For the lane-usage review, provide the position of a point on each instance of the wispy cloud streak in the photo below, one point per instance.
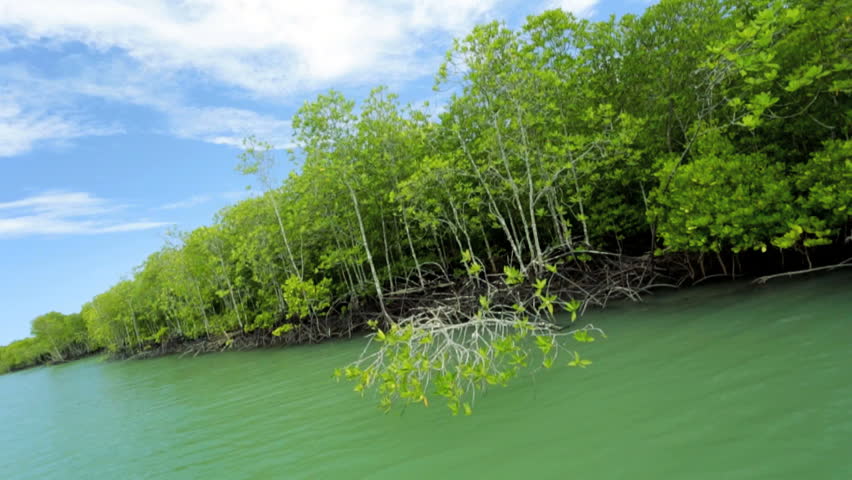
(190, 202)
(21, 127)
(66, 213)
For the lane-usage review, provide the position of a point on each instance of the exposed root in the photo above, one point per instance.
(766, 278)
(596, 279)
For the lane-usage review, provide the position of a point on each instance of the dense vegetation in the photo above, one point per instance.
(700, 131)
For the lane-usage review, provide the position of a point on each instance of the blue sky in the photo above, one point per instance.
(120, 119)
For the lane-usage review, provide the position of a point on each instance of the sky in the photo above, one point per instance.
(122, 120)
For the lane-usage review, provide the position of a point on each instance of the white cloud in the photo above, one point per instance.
(263, 46)
(22, 127)
(581, 8)
(55, 213)
(238, 195)
(149, 53)
(227, 126)
(190, 202)
(116, 82)
(195, 200)
(129, 227)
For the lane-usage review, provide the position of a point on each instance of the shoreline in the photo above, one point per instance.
(258, 340)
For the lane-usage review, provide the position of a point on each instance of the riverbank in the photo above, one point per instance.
(599, 290)
(595, 281)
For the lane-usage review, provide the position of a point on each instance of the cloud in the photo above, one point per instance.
(68, 213)
(227, 126)
(164, 55)
(262, 46)
(238, 195)
(190, 202)
(195, 200)
(22, 127)
(581, 8)
(116, 82)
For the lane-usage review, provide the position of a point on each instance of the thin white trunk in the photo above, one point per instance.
(376, 283)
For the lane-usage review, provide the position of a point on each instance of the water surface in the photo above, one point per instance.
(726, 381)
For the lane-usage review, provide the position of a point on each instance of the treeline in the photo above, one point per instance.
(55, 338)
(704, 129)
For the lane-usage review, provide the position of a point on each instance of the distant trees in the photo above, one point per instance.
(55, 338)
(65, 335)
(22, 354)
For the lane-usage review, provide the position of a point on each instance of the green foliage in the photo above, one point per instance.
(416, 364)
(22, 354)
(158, 336)
(579, 362)
(824, 199)
(287, 327)
(56, 338)
(723, 200)
(473, 267)
(573, 307)
(305, 297)
(513, 276)
(708, 126)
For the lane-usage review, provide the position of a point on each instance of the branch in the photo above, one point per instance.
(764, 279)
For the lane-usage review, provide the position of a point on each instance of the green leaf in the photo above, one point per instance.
(287, 327)
(483, 302)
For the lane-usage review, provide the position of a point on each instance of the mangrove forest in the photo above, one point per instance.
(569, 163)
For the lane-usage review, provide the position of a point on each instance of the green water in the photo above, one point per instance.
(726, 381)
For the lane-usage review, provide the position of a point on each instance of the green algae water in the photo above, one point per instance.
(728, 381)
